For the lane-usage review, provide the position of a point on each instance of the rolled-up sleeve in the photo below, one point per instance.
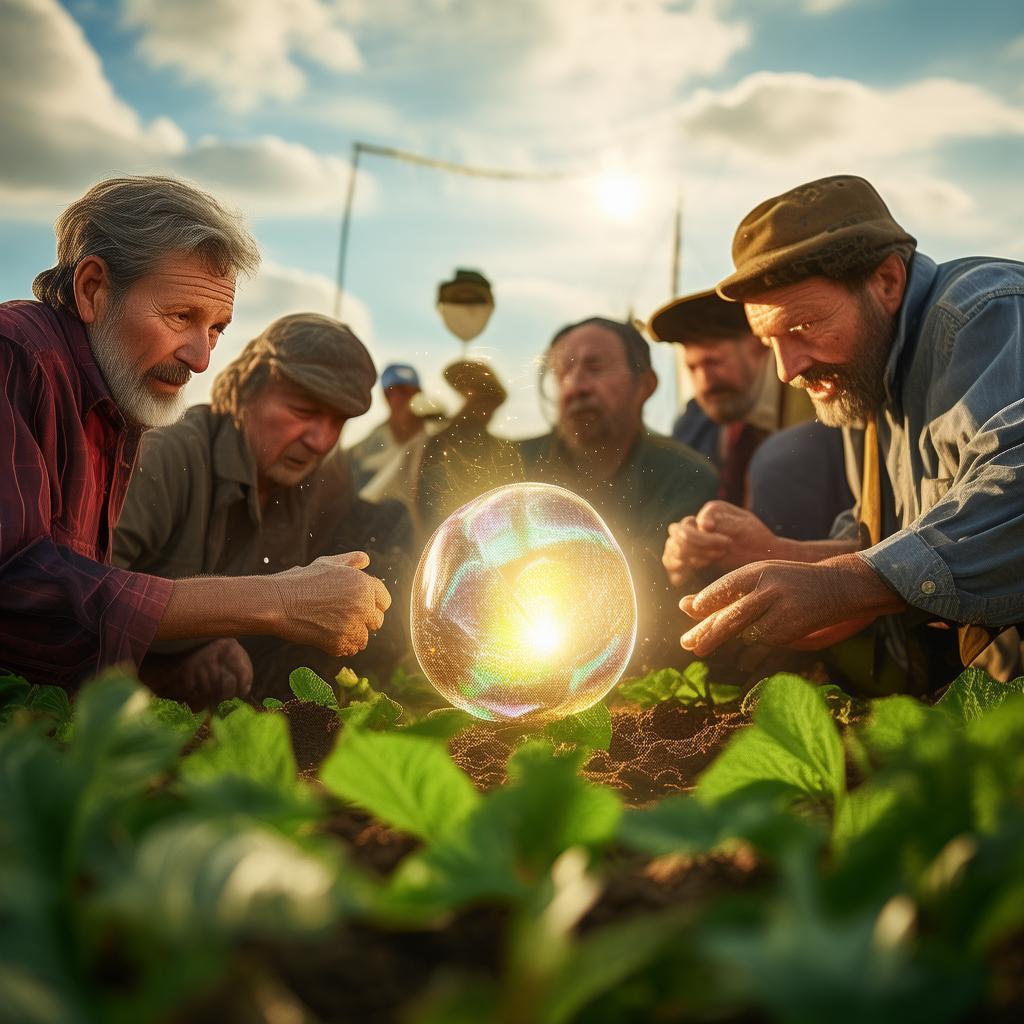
(62, 616)
(963, 559)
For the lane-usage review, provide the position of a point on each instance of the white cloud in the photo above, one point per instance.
(64, 127)
(783, 117)
(245, 51)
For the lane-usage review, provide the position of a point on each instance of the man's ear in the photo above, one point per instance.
(92, 289)
(648, 383)
(889, 282)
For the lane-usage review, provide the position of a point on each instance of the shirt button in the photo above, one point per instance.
(928, 587)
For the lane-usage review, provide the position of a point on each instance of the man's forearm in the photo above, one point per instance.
(216, 606)
(812, 550)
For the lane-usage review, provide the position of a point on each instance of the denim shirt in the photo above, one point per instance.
(951, 439)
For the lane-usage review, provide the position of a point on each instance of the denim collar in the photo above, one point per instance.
(920, 279)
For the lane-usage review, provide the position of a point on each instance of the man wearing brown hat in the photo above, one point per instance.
(254, 483)
(922, 366)
(795, 483)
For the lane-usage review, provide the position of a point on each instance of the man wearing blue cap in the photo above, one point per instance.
(401, 384)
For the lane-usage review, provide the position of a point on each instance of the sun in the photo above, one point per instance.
(619, 195)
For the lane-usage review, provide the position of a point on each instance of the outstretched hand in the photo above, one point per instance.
(788, 604)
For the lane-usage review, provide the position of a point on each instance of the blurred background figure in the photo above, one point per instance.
(599, 375)
(772, 456)
(385, 463)
(401, 384)
(465, 459)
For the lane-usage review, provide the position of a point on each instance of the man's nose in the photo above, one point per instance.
(322, 435)
(194, 352)
(790, 362)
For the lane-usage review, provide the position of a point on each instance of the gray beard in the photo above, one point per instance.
(127, 385)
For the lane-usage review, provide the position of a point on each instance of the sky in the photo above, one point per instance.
(616, 113)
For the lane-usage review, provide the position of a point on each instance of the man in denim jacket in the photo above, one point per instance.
(922, 365)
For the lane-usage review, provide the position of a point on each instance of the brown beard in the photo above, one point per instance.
(859, 383)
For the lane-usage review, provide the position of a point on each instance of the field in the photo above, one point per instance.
(677, 855)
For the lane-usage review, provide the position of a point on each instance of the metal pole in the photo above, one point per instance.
(677, 246)
(346, 217)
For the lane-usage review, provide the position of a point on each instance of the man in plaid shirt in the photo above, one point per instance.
(142, 290)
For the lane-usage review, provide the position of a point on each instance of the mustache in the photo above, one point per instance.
(170, 373)
(819, 375)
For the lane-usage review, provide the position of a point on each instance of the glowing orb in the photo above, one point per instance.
(523, 605)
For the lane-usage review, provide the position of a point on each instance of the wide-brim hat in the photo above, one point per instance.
(700, 317)
(832, 226)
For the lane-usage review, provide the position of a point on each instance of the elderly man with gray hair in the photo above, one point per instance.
(142, 289)
(253, 483)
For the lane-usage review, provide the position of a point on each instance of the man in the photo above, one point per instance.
(638, 481)
(738, 404)
(401, 384)
(465, 459)
(922, 367)
(142, 290)
(243, 486)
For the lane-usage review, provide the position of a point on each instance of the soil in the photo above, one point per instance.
(654, 751)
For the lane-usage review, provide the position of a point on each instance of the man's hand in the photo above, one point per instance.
(721, 535)
(788, 604)
(330, 603)
(201, 678)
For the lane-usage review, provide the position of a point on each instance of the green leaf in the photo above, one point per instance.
(591, 728)
(409, 782)
(308, 686)
(379, 713)
(248, 743)
(506, 846)
(442, 724)
(793, 745)
(209, 880)
(272, 703)
(179, 717)
(603, 960)
(974, 692)
(691, 687)
(893, 721)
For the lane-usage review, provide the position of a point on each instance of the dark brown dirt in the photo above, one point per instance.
(369, 843)
(653, 752)
(314, 731)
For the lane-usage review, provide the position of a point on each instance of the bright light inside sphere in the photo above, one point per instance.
(523, 605)
(619, 195)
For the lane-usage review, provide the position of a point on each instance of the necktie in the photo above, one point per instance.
(973, 639)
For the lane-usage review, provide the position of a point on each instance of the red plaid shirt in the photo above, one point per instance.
(66, 454)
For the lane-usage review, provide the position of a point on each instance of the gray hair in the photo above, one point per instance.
(133, 223)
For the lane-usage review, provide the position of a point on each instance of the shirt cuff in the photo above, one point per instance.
(917, 574)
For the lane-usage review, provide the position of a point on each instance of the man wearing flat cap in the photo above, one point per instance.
(254, 482)
(922, 365)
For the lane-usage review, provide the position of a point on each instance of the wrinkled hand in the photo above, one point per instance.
(201, 678)
(331, 603)
(785, 604)
(720, 534)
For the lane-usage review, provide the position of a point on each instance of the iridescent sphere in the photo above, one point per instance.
(523, 605)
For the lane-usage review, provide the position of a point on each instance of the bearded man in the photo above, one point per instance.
(922, 366)
(142, 290)
(639, 482)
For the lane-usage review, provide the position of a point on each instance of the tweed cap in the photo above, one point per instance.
(317, 353)
(833, 227)
(702, 317)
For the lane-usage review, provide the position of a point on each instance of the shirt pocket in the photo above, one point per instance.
(933, 491)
